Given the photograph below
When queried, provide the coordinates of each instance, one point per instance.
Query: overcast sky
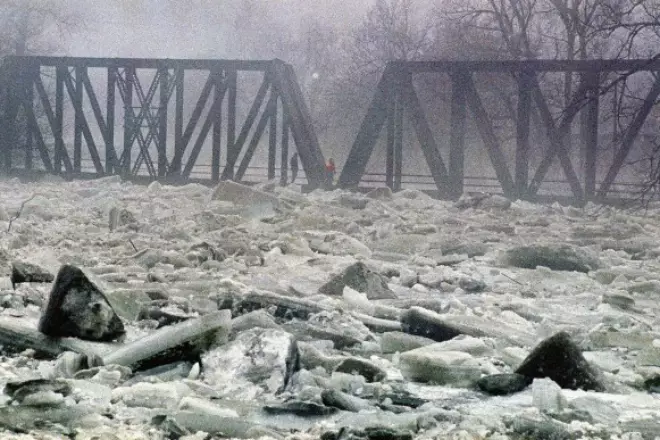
(186, 28)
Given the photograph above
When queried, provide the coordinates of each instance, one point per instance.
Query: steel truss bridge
(396, 96)
(142, 100)
(146, 117)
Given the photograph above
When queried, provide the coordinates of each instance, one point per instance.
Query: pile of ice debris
(164, 312)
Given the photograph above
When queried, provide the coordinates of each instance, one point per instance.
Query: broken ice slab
(286, 306)
(27, 418)
(174, 343)
(231, 427)
(18, 335)
(634, 339)
(416, 319)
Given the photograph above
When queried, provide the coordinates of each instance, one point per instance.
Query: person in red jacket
(330, 173)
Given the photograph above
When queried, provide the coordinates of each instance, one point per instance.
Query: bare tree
(28, 27)
(393, 30)
(564, 29)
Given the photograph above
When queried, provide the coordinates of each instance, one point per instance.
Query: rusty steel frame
(146, 107)
(396, 94)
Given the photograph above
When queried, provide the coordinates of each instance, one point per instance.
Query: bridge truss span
(154, 117)
(531, 110)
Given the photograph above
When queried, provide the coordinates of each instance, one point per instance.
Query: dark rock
(652, 384)
(556, 257)
(22, 272)
(370, 433)
(78, 308)
(503, 384)
(364, 368)
(19, 390)
(560, 359)
(357, 276)
(300, 408)
(420, 322)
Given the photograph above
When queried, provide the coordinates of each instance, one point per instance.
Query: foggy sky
(187, 28)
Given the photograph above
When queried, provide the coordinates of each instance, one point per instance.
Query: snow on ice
(264, 313)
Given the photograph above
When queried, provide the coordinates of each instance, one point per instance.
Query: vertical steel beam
(629, 138)
(178, 122)
(284, 175)
(556, 136)
(300, 121)
(110, 152)
(591, 135)
(457, 133)
(60, 72)
(129, 120)
(522, 132)
(27, 77)
(220, 90)
(426, 140)
(78, 120)
(272, 133)
(232, 86)
(164, 76)
(398, 131)
(81, 119)
(254, 143)
(10, 88)
(389, 152)
(253, 113)
(193, 121)
(52, 125)
(367, 136)
(32, 78)
(490, 140)
(208, 122)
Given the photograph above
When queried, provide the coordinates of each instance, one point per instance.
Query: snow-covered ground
(444, 257)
